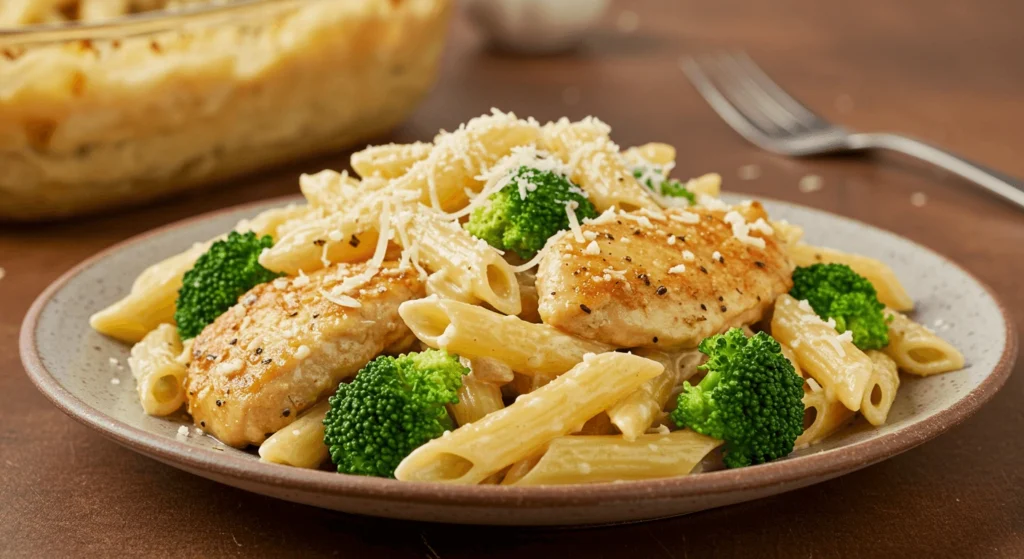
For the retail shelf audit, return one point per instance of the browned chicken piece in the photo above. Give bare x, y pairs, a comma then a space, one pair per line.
663, 279
285, 345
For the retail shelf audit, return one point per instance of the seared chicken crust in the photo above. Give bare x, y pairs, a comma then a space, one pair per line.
663, 279
285, 345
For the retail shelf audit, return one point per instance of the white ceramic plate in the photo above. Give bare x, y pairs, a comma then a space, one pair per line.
73, 366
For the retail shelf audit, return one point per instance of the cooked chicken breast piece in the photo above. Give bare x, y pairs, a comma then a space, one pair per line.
663, 279
285, 345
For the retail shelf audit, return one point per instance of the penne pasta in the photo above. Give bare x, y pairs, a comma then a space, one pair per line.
600, 424
458, 158
300, 444
438, 284
708, 185
472, 331
159, 377
917, 350
152, 297
473, 452
831, 359
613, 458
822, 418
635, 413
596, 165
653, 153
890, 290
477, 398
329, 189
320, 243
469, 264
881, 390
389, 161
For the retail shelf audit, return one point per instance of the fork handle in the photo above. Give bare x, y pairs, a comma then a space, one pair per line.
995, 182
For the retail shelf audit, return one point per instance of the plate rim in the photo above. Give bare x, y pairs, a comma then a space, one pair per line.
817, 466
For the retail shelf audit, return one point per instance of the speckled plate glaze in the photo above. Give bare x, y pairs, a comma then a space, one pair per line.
75, 367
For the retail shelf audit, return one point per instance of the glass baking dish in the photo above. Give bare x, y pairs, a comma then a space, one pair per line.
103, 115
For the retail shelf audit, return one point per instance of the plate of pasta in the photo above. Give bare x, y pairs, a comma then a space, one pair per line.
518, 323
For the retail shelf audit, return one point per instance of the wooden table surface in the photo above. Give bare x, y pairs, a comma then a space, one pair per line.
948, 72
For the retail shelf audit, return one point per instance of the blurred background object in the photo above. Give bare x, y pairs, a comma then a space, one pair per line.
161, 96
535, 26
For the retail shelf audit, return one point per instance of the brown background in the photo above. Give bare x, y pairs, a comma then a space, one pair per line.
948, 71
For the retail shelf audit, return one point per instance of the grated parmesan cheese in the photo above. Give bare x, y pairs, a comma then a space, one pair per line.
716, 255
677, 269
686, 217
303, 352
574, 224
688, 256
741, 230
592, 249
815, 387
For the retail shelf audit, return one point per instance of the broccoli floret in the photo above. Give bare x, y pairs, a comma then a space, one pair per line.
751, 398
656, 181
835, 291
510, 222
219, 277
394, 405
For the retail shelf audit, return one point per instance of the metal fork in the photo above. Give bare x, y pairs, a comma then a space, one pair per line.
756, 107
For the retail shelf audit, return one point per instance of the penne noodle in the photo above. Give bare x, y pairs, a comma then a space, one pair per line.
635, 413
612, 458
600, 424
831, 359
653, 153
438, 284
389, 161
521, 468
489, 370
151, 300
708, 185
822, 418
788, 352
917, 350
596, 165
477, 398
473, 452
471, 265
459, 158
890, 290
159, 377
472, 331
881, 389
300, 444
320, 243
329, 189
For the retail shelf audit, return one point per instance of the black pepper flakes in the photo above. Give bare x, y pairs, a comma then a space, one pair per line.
637, 233
655, 339
722, 308
233, 341
629, 259
703, 307
259, 350
294, 314
267, 361
644, 278
219, 403
662, 290
354, 241
720, 298
584, 308
286, 412
703, 269
202, 424
316, 315
759, 264
721, 259
319, 242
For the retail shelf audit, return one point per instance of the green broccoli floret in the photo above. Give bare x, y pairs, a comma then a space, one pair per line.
394, 405
751, 398
656, 181
219, 277
524, 225
835, 291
